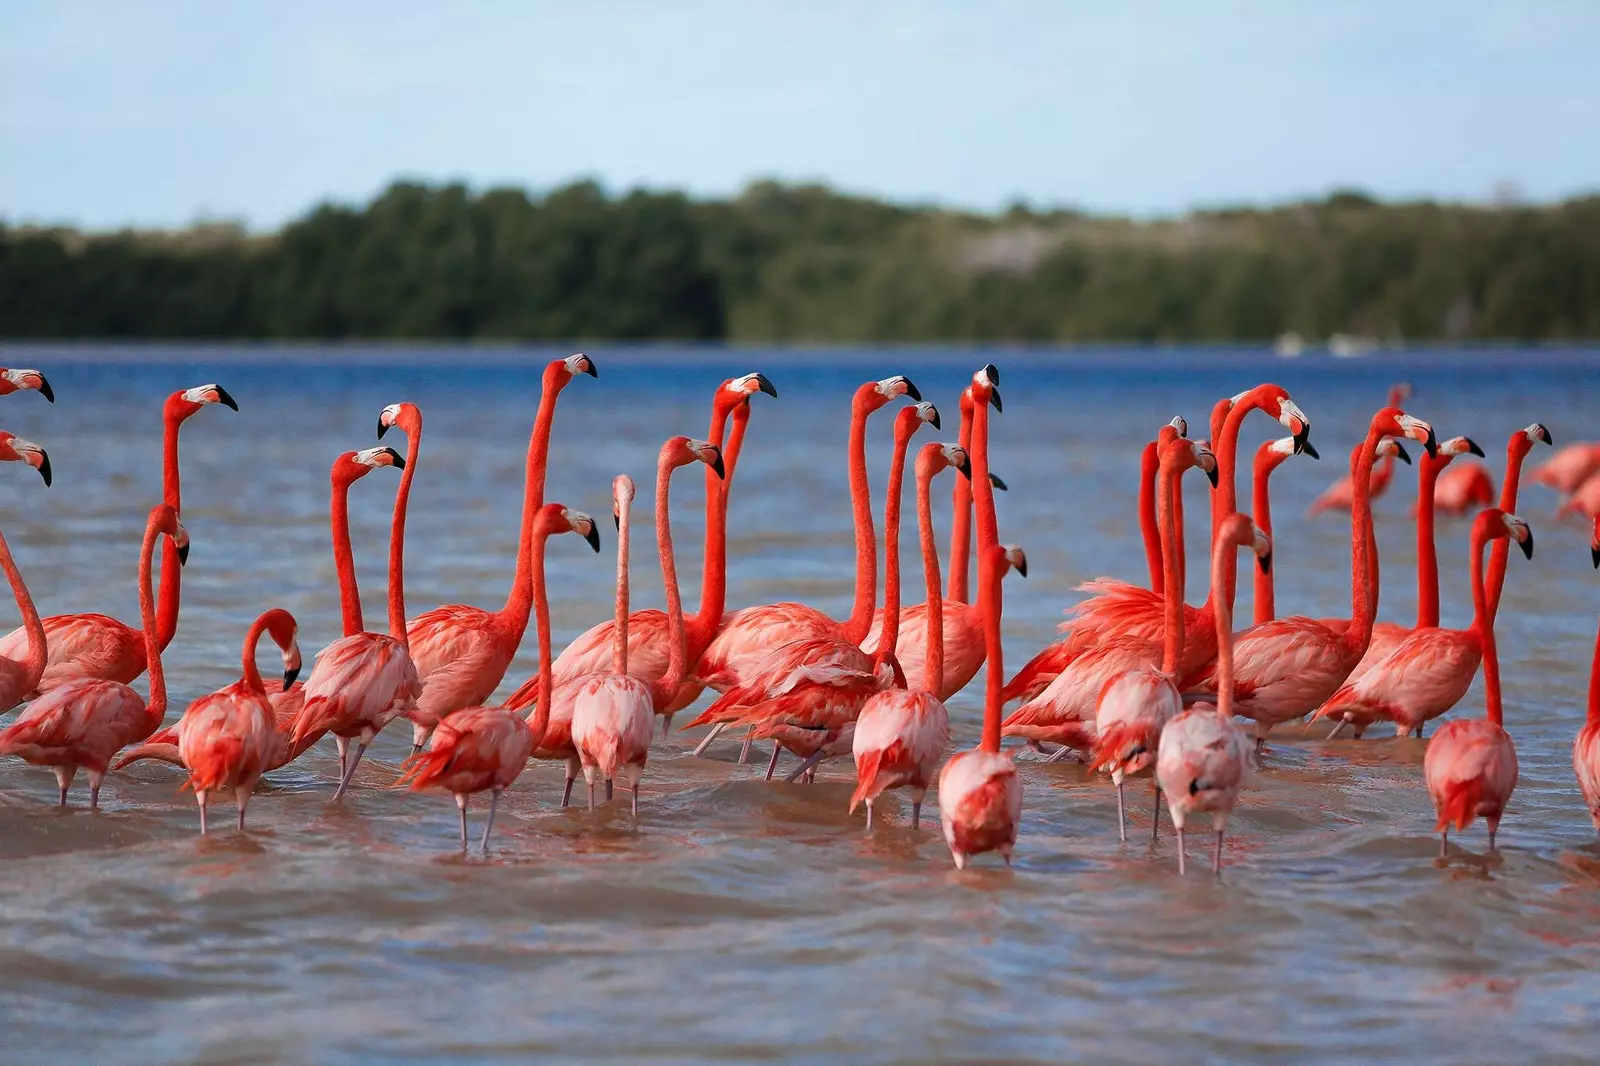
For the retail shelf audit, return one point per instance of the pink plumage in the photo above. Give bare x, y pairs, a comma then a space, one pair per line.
1471, 771
980, 804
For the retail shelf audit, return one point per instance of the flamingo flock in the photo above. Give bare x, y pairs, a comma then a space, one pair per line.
1141, 682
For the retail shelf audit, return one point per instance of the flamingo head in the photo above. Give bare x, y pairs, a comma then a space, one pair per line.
1180, 425
13, 449
555, 518
681, 451
1455, 446
1275, 401
1284, 446
1181, 454
284, 631
1522, 440
1518, 531
351, 466
1389, 446
875, 394
1013, 557
583, 526
910, 418
622, 493
579, 363
17, 380
404, 415
1393, 422
185, 402
164, 519
1240, 531
936, 457
985, 386
742, 388
1399, 393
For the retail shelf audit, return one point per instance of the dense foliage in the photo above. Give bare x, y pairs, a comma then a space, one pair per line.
798, 263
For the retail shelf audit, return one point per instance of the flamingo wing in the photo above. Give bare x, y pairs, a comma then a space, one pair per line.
82, 646
747, 636
85, 722
459, 657
364, 678
476, 748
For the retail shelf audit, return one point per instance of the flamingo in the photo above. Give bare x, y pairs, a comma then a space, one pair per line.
83, 722
1205, 755
1134, 705
961, 515
20, 676
462, 653
1064, 713
1338, 496
1121, 609
1471, 765
1586, 747
612, 713
1584, 501
1518, 445
362, 681
1427, 672
901, 734
648, 643
1286, 668
1149, 524
1269, 457
19, 380
1569, 467
806, 694
229, 738
97, 645
484, 749
1462, 488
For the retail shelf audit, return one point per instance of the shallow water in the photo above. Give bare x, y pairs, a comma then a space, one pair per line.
740, 920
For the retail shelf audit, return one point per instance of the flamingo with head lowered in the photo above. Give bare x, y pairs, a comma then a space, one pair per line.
462, 653
97, 645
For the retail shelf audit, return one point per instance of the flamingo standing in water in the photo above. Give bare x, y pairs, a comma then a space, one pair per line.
1286, 668
97, 645
649, 647
228, 739
1121, 609
484, 749
362, 681
807, 694
748, 635
462, 653
1471, 765
1339, 495
901, 734
1569, 467
1586, 748
20, 380
1269, 457
1518, 445
1464, 487
20, 676
82, 723
1205, 755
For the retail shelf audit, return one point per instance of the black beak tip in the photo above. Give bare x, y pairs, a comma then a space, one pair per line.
1265, 562
992, 372
382, 429
225, 400
1022, 568
1594, 556
934, 421
1301, 439
1401, 454
45, 390
288, 678
766, 386
183, 555
44, 469
718, 469
1526, 544
396, 458
912, 391
1211, 476
1431, 445
1307, 449
1544, 434
1473, 449
994, 399
593, 537
995, 481
616, 521
965, 466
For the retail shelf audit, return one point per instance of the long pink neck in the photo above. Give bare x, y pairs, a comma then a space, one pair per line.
1594, 684
1363, 593
989, 574
171, 571
1223, 610
1500, 551
855, 629
513, 617
890, 635
933, 672
1483, 622
251, 674
397, 538
1225, 499
663, 690
155, 707
33, 663
1261, 510
700, 629
344, 559
1427, 549
539, 717
982, 490
1172, 592
961, 513
619, 629
1149, 529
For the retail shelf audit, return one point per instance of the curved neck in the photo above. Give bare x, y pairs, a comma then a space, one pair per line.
171, 570
1148, 529
539, 717
344, 559
1483, 622
1594, 684
994, 674
1427, 548
1261, 511
961, 513
1223, 610
933, 671
664, 689
1363, 594
890, 635
1500, 550
251, 674
33, 663
619, 628
1225, 499
156, 707
860, 621
982, 490
513, 617
1172, 592
701, 627
397, 540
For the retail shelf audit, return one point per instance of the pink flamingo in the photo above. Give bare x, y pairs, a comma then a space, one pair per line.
1584, 501
484, 749
228, 739
1471, 765
612, 713
462, 653
362, 681
1518, 445
1462, 488
648, 643
1286, 668
1121, 609
1133, 706
97, 645
19, 380
1339, 496
807, 694
1205, 755
1569, 467
20, 676
82, 723
901, 734
1586, 747
1269, 457
1064, 713
748, 635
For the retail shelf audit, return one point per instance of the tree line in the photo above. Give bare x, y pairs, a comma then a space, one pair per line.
803, 263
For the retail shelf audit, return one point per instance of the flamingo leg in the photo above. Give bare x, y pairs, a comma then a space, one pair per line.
95, 780
1444, 843
241, 796
1181, 853
869, 816
591, 795
494, 805
566, 793
636, 799
1155, 815
64, 776
1418, 731
344, 782
343, 744
773, 764
1216, 860
666, 725
1494, 827
1338, 727
608, 790
1060, 753
1122, 818
800, 771
461, 806
200, 798
700, 749
744, 752
916, 814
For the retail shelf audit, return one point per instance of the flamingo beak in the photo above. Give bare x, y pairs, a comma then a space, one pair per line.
1544, 434
994, 480
589, 367
1265, 562
44, 468
382, 429
1526, 544
1473, 449
225, 400
965, 466
1401, 454
45, 390
1307, 449
616, 520
1211, 475
994, 399
593, 537
183, 555
1594, 555
416, 749
766, 386
717, 468
1302, 437
911, 390
397, 459
991, 372
1431, 445
934, 421
289, 676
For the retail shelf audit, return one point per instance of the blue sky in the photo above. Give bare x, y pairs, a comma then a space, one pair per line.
157, 113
